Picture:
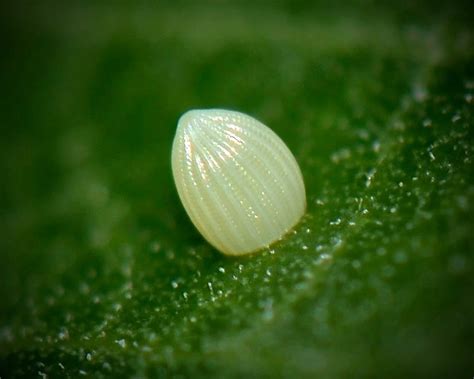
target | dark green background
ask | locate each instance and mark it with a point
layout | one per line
(103, 275)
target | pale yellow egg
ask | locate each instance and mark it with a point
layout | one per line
(238, 181)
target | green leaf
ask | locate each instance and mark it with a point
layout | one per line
(103, 275)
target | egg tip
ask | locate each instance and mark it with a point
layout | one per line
(188, 118)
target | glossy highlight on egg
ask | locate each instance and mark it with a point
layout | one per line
(239, 183)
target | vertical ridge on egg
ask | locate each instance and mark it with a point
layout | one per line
(239, 183)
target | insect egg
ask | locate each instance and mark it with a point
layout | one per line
(239, 183)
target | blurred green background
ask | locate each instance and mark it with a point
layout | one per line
(103, 275)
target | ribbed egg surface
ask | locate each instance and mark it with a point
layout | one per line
(239, 183)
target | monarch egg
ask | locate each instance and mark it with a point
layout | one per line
(239, 183)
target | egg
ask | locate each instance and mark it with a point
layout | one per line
(239, 183)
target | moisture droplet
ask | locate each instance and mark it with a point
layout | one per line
(122, 343)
